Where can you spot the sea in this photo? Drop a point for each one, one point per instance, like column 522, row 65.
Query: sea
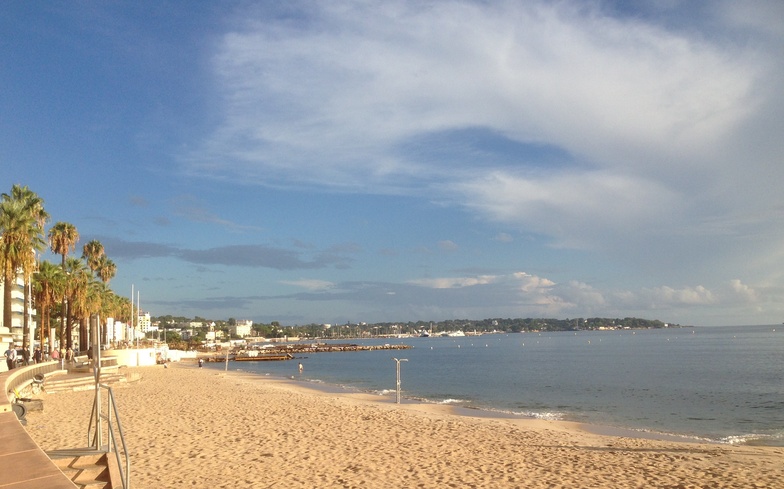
column 708, row 384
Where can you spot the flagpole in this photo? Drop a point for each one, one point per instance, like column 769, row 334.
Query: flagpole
column 131, row 330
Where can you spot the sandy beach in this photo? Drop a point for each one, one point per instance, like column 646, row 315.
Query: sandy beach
column 200, row 428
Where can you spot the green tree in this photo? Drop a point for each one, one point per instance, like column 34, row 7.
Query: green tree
column 102, row 268
column 106, row 269
column 92, row 252
column 63, row 237
column 22, row 219
column 48, row 285
column 78, row 278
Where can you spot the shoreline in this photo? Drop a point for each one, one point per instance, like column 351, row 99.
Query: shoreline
column 469, row 411
column 207, row 428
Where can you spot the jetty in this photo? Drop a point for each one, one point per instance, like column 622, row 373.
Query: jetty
column 287, row 352
column 336, row 347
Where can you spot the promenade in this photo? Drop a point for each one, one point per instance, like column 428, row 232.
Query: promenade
column 23, row 464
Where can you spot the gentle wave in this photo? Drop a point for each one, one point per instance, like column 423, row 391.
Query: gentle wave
column 451, row 401
column 774, row 440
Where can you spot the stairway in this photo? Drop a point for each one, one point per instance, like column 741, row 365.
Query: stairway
column 79, row 382
column 87, row 469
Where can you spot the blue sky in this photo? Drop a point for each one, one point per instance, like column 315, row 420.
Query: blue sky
column 391, row 161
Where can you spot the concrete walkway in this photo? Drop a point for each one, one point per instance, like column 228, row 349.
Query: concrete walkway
column 23, row 464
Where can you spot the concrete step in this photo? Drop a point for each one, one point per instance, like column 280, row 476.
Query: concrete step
column 88, row 471
column 94, row 476
column 74, row 383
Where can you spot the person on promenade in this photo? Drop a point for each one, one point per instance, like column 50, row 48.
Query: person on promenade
column 10, row 357
column 37, row 356
column 55, row 354
column 26, row 356
column 69, row 355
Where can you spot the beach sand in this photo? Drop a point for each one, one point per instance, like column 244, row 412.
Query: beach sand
column 202, row 428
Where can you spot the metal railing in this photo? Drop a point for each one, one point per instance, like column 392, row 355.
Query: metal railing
column 113, row 429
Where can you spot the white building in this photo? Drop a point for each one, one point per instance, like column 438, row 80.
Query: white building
column 144, row 324
column 242, row 328
column 16, row 328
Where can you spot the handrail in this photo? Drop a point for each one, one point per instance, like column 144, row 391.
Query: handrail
column 96, row 439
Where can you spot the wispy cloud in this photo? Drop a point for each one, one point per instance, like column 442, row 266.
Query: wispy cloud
column 447, row 245
column 343, row 96
column 190, row 208
column 251, row 256
column 310, row 284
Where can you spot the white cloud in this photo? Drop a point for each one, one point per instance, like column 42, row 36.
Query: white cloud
column 310, row 284
column 328, row 100
column 663, row 132
column 577, row 209
column 454, row 282
column 530, row 283
column 504, row 238
column 743, row 291
column 582, row 296
column 336, row 93
column 667, row 296
column 447, row 245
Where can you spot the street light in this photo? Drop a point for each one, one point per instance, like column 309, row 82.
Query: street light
column 397, row 398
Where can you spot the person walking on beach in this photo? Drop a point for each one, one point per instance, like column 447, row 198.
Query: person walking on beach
column 201, row 362
column 10, row 357
column 301, row 368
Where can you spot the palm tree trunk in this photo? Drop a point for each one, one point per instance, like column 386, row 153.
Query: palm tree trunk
column 61, row 326
column 7, row 282
column 83, row 344
column 68, row 327
column 26, row 320
column 43, row 322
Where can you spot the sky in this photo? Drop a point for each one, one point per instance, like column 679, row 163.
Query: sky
column 392, row 161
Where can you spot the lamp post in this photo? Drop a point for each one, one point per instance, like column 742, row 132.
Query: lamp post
column 397, row 362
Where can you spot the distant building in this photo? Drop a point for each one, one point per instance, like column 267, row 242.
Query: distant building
column 242, row 328
column 144, row 324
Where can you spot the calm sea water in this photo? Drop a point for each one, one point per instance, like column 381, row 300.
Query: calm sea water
column 720, row 384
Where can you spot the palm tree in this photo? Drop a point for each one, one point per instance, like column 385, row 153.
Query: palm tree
column 118, row 307
column 62, row 239
column 92, row 253
column 77, row 280
column 27, row 218
column 48, row 285
column 106, row 269
column 100, row 298
column 87, row 300
column 102, row 267
column 12, row 225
